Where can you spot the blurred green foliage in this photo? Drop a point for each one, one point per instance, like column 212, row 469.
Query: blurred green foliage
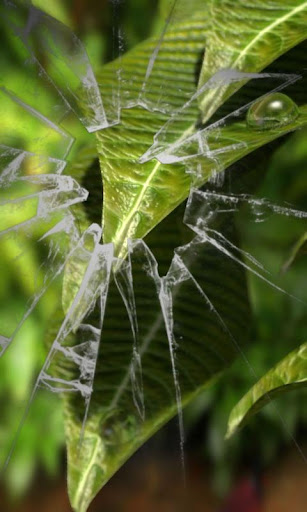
column 279, row 326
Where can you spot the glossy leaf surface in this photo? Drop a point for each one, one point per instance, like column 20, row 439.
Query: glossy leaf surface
column 149, row 160
column 289, row 374
column 248, row 36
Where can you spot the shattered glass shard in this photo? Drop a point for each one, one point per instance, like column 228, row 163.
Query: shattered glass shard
column 205, row 141
column 69, row 71
column 33, row 188
column 18, row 164
column 51, row 140
column 124, row 281
column 205, row 209
column 54, row 243
column 32, row 180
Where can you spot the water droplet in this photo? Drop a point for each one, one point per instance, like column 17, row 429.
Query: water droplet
column 271, row 112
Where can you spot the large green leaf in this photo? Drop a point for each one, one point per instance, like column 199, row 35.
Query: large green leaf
column 137, row 196
column 248, row 36
column 115, row 428
column 287, row 375
column 209, row 337
column 142, row 199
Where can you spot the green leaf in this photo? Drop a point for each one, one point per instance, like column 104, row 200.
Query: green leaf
column 287, row 375
column 179, row 9
column 142, row 199
column 137, row 196
column 82, row 168
column 114, row 429
column 247, row 36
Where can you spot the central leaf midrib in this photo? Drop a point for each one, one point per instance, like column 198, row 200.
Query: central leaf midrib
column 84, row 479
column 214, row 97
column 268, row 29
column 121, row 233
